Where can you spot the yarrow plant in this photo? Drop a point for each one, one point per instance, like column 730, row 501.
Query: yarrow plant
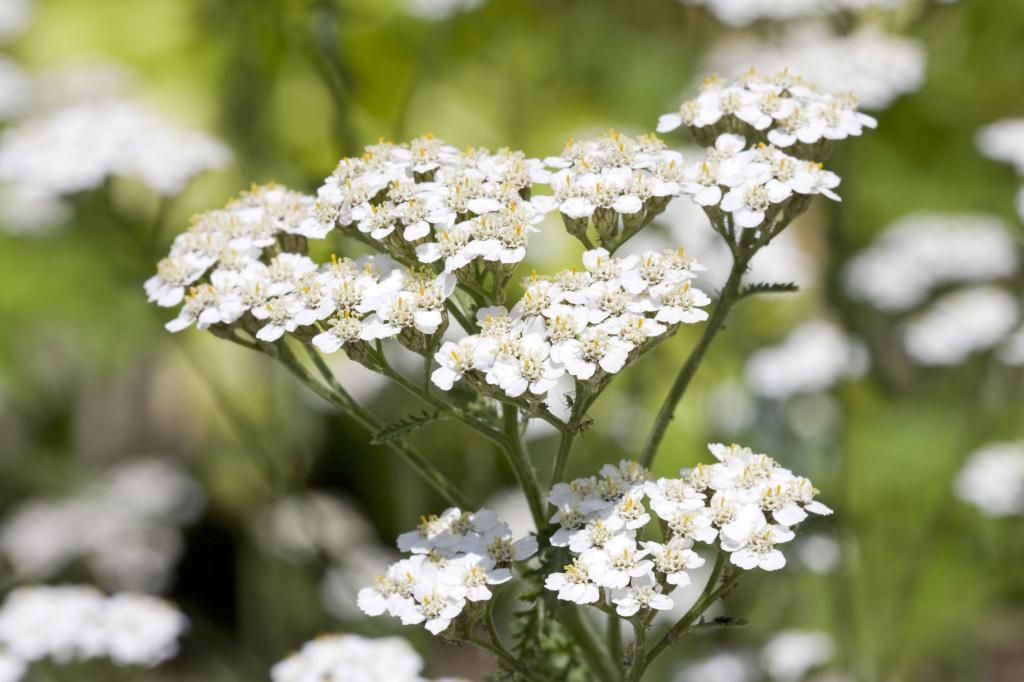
column 435, row 236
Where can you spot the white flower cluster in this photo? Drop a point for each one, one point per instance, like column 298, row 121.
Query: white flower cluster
column 456, row 558
column 126, row 527
column 993, row 479
column 744, row 505
column 15, row 88
column 911, row 258
column 440, row 10
column 76, row 148
column 789, row 655
column 614, row 179
column 744, row 12
column 754, row 185
column 782, row 109
column 1004, row 141
column 427, row 201
column 586, row 323
column 351, row 658
column 876, row 66
column 959, row 324
column 244, row 264
column 71, row 623
column 813, row 358
column 15, row 16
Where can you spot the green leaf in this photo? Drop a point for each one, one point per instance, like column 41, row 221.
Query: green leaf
column 769, row 288
column 405, row 426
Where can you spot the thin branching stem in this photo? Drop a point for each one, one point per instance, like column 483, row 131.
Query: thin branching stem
column 520, row 462
column 712, row 592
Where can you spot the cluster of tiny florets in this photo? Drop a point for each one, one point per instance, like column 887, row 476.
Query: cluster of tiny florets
column 782, row 110
column 618, row 182
column 587, row 323
column 67, row 624
column 455, row 558
column 245, row 264
column 744, row 504
column 754, row 185
column 429, row 202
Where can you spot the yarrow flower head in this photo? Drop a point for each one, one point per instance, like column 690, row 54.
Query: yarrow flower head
column 616, row 182
column 781, row 109
column 744, row 505
column 456, row 559
column 585, row 322
column 351, row 658
column 244, row 267
column 69, row 623
column 429, row 202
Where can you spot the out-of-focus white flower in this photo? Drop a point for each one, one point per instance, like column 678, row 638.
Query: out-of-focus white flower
column 300, row 527
column 11, row 669
column 350, row 658
column 790, row 655
column 71, row 623
column 720, row 667
column 923, row 251
column 813, row 358
column 77, row 148
column 125, row 526
column 26, row 210
column 992, row 479
column 89, row 80
column 819, row 553
column 15, row 16
column 1004, row 141
column 960, row 324
column 439, row 10
column 15, row 88
column 877, row 67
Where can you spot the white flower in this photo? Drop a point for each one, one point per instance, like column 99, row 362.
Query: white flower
column 455, row 359
column 70, row 623
column 960, row 324
column 791, row 654
column 813, row 358
column 673, row 559
column 11, row 668
column 749, row 202
column 642, row 593
column 616, row 562
column 433, row 603
column 993, row 479
column 922, row 252
column 751, row 541
column 574, row 583
column 681, row 303
column 531, row 368
column 76, row 148
column 1004, row 141
column 141, row 630
column 472, row 574
column 351, row 658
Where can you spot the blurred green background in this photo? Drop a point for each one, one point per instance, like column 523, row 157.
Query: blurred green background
column 927, row 589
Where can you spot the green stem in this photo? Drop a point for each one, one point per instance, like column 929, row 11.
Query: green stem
column 522, row 466
column 636, row 669
column 499, row 652
column 730, row 293
column 580, row 404
column 569, row 618
column 712, row 591
column 614, row 636
column 340, row 398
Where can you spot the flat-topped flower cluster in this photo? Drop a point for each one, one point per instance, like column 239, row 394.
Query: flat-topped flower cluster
column 246, row 263
column 744, row 504
column 428, row 202
column 455, row 558
column 351, row 658
column 781, row 109
column 74, row 623
column 587, row 323
column 618, row 182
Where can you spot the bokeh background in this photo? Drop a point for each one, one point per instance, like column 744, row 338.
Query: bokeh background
column 270, row 508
